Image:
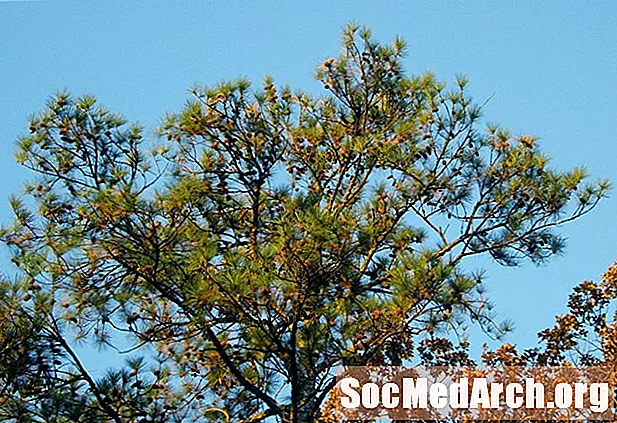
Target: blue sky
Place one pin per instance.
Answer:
(551, 65)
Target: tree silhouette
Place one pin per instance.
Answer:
(268, 236)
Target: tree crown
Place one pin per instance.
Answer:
(269, 236)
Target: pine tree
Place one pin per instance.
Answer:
(268, 236)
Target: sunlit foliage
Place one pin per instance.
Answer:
(266, 237)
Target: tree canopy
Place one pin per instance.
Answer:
(267, 236)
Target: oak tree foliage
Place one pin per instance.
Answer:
(267, 236)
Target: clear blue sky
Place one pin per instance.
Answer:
(552, 66)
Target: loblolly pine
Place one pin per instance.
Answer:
(267, 237)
